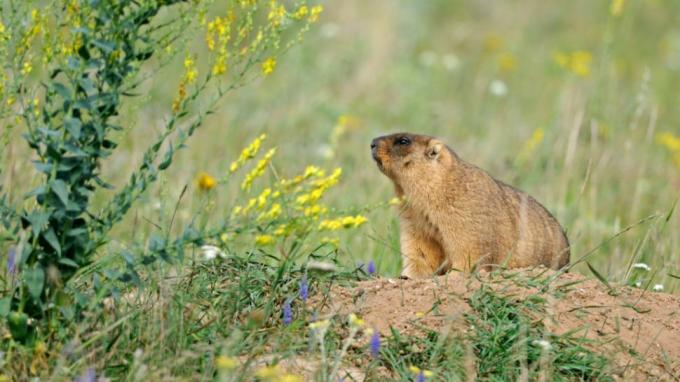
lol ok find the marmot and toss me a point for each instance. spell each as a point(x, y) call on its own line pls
point(456, 216)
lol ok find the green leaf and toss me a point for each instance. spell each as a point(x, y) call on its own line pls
point(68, 262)
point(35, 280)
point(62, 90)
point(60, 189)
point(674, 276)
point(599, 276)
point(38, 221)
point(73, 126)
point(51, 238)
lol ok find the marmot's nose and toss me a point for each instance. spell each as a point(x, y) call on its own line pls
point(374, 143)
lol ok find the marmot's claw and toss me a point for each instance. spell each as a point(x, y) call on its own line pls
point(404, 277)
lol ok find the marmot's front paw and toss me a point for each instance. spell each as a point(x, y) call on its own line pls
point(404, 277)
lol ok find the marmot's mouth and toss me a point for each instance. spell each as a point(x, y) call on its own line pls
point(376, 158)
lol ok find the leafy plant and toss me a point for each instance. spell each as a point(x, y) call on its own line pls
point(71, 118)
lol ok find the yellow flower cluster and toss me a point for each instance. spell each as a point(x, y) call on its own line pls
point(342, 222)
point(218, 34)
point(268, 65)
point(258, 170)
point(319, 186)
point(671, 143)
point(314, 14)
point(190, 74)
point(264, 240)
point(248, 153)
point(577, 62)
point(276, 13)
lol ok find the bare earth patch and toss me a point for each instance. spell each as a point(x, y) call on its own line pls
point(639, 331)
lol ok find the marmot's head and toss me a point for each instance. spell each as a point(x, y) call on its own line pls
point(401, 156)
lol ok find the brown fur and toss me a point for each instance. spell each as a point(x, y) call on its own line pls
point(456, 216)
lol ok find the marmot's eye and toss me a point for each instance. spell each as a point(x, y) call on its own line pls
point(403, 141)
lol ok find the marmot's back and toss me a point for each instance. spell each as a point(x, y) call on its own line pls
point(538, 237)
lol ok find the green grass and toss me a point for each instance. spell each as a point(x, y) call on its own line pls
point(424, 67)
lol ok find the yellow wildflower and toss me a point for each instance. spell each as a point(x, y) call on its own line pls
point(315, 210)
point(342, 222)
point(190, 73)
point(300, 13)
point(273, 213)
point(248, 153)
point(506, 62)
point(420, 314)
point(262, 198)
point(355, 321)
point(281, 230)
point(616, 7)
point(226, 363)
point(264, 240)
point(276, 13)
point(670, 141)
point(258, 170)
point(224, 237)
point(220, 65)
point(316, 11)
point(577, 62)
point(205, 182)
point(268, 65)
point(416, 370)
point(27, 68)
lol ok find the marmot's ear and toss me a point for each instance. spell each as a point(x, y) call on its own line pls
point(433, 149)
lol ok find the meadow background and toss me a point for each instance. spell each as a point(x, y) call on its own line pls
point(574, 102)
point(594, 139)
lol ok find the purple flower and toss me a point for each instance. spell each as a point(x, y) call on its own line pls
point(304, 288)
point(375, 344)
point(88, 376)
point(11, 259)
point(420, 377)
point(287, 313)
point(371, 267)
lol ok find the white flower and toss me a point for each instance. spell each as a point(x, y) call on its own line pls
point(450, 61)
point(657, 287)
point(542, 343)
point(210, 252)
point(642, 266)
point(638, 284)
point(498, 88)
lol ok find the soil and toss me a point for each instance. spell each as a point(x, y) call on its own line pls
point(638, 330)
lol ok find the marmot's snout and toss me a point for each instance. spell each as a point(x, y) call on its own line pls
point(375, 152)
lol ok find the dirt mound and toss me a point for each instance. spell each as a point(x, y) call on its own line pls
point(638, 330)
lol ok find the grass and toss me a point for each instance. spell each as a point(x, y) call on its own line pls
point(586, 146)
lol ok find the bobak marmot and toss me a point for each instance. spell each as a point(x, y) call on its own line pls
point(456, 216)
